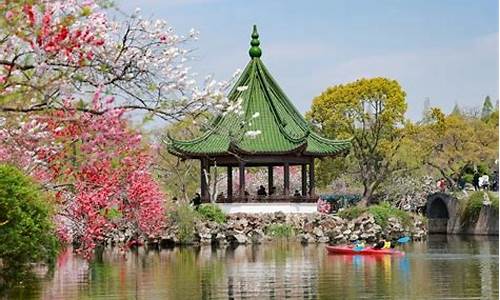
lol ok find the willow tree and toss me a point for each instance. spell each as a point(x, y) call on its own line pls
point(371, 112)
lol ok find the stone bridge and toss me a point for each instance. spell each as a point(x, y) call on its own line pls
point(442, 211)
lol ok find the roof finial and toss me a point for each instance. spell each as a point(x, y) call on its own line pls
point(255, 50)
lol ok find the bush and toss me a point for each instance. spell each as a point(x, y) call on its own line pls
point(381, 213)
point(212, 212)
point(185, 217)
point(27, 233)
point(471, 207)
point(280, 230)
point(352, 212)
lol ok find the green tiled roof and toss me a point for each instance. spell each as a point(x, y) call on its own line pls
point(283, 129)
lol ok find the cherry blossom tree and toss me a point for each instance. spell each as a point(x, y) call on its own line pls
point(52, 49)
point(96, 165)
point(69, 77)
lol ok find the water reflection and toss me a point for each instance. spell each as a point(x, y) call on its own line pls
point(443, 267)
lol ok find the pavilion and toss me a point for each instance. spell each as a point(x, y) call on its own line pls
point(280, 137)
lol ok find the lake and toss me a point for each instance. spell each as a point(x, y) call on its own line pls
point(444, 267)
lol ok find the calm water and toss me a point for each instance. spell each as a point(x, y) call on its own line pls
point(441, 268)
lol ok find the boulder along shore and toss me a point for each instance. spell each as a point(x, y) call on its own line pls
point(243, 228)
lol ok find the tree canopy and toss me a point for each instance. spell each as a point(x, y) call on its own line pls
point(27, 234)
point(451, 142)
point(371, 112)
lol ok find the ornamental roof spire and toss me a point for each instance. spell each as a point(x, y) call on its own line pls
point(255, 51)
point(283, 130)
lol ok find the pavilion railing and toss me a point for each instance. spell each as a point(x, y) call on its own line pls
point(268, 199)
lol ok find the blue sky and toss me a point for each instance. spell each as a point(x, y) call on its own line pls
point(444, 50)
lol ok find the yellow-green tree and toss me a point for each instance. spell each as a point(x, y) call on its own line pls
point(449, 143)
point(371, 112)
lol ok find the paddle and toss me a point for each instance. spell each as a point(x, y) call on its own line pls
point(403, 240)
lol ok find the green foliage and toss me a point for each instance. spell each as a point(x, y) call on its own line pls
point(184, 216)
point(352, 212)
point(329, 169)
point(381, 213)
point(471, 207)
point(371, 112)
point(180, 178)
point(212, 212)
point(26, 229)
point(280, 230)
point(488, 108)
point(468, 178)
point(448, 143)
point(494, 200)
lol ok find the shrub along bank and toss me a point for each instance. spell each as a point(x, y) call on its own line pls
point(471, 206)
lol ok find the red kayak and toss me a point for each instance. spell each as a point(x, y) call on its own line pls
point(349, 250)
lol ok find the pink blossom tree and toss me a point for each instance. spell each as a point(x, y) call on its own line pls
point(69, 77)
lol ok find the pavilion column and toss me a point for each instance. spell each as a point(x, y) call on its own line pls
point(303, 177)
point(242, 179)
point(270, 179)
point(286, 179)
point(205, 197)
point(311, 178)
point(229, 182)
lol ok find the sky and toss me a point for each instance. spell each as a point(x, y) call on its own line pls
point(444, 50)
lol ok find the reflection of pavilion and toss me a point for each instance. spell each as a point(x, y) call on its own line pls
point(270, 133)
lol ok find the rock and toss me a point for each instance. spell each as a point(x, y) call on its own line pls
point(307, 238)
point(347, 232)
point(324, 239)
point(240, 225)
point(308, 227)
point(220, 238)
point(240, 238)
point(366, 236)
point(338, 220)
point(256, 236)
point(318, 232)
point(354, 237)
point(339, 237)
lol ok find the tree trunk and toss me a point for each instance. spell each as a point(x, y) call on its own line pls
point(367, 198)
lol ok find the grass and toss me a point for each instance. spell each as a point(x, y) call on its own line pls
point(494, 199)
point(352, 212)
point(381, 213)
point(280, 230)
point(471, 207)
point(212, 212)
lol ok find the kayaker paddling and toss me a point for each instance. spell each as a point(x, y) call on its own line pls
point(381, 247)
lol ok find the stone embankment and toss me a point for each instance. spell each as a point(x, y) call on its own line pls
point(307, 228)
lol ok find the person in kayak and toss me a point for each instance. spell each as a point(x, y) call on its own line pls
point(359, 245)
point(383, 244)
